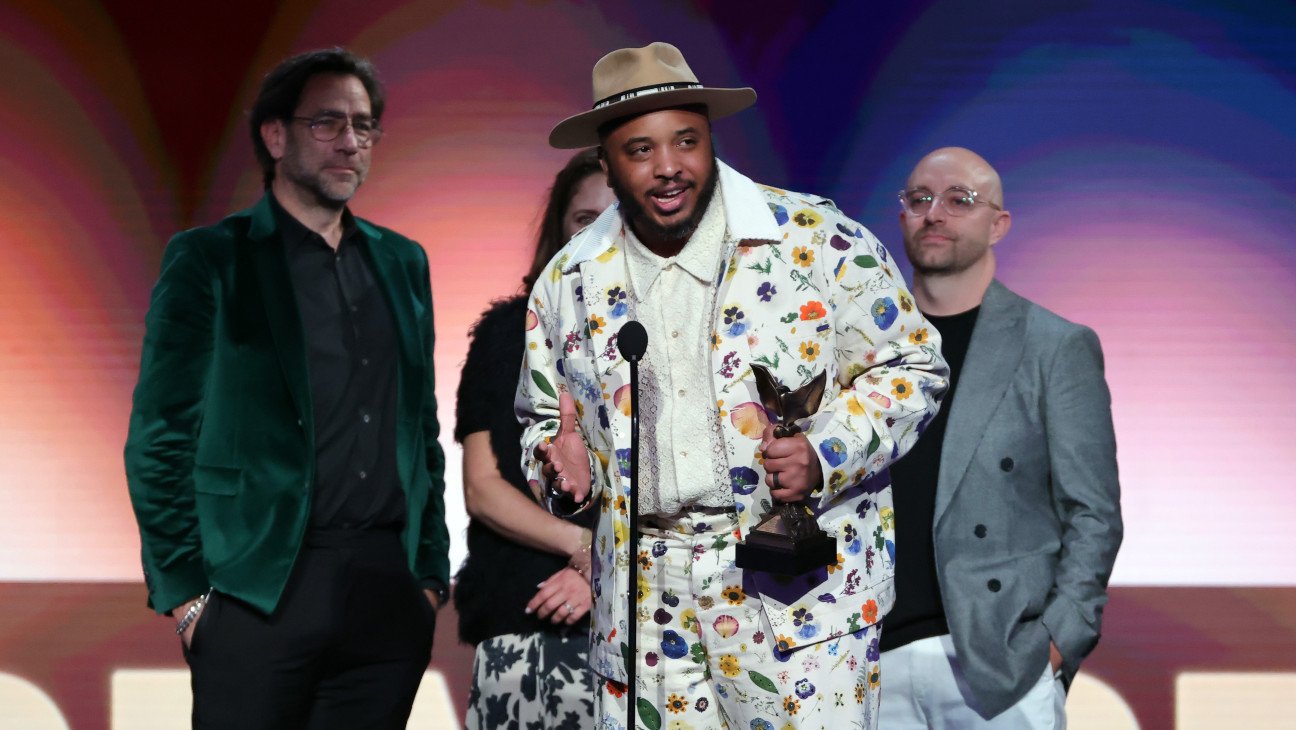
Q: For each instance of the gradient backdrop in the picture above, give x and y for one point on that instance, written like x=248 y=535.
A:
x=1148 y=151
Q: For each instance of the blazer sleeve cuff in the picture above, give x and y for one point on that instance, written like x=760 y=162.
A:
x=1070 y=632
x=182 y=582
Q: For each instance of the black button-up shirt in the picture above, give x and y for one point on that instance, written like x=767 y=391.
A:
x=351 y=350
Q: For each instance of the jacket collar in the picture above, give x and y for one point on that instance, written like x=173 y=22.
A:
x=264 y=225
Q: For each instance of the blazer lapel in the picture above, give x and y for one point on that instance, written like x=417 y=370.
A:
x=992 y=357
x=270 y=263
x=605 y=306
x=389 y=272
x=605 y=298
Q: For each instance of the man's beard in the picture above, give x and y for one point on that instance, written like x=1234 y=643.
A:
x=647 y=228
x=325 y=194
x=937 y=263
x=324 y=191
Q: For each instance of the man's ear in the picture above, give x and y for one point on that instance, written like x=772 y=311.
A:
x=999 y=229
x=275 y=136
x=602 y=158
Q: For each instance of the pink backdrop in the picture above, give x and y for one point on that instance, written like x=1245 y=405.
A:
x=1149 y=197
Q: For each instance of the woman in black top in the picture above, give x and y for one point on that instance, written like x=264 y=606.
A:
x=523 y=595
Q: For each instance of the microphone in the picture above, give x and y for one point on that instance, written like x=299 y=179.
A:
x=632 y=341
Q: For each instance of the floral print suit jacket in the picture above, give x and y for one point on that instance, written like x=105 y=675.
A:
x=802 y=289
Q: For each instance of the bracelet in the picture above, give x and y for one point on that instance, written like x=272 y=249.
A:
x=582 y=554
x=192 y=614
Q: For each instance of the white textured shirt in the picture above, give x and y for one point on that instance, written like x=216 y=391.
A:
x=682 y=456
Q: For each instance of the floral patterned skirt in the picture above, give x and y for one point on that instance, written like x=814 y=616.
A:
x=538 y=681
x=706 y=658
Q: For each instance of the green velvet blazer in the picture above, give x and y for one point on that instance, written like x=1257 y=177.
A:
x=220 y=455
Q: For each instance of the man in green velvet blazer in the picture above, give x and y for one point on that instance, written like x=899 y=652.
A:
x=282 y=456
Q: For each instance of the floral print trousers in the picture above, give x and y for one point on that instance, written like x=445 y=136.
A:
x=706 y=659
x=538 y=681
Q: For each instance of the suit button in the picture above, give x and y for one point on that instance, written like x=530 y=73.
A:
x=979 y=531
x=1006 y=464
x=993 y=585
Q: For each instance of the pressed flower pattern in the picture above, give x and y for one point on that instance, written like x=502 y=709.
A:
x=819 y=297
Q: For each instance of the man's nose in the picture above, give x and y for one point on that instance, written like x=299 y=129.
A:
x=936 y=213
x=347 y=141
x=667 y=166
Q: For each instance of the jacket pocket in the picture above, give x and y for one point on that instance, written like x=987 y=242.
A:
x=221 y=480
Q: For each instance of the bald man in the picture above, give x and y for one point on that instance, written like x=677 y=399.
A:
x=1008 y=509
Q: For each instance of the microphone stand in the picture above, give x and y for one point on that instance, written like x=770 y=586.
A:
x=632 y=341
x=633 y=591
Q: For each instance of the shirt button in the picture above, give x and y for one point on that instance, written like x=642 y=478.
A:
x=1006 y=464
x=365 y=418
x=364 y=475
x=994 y=585
x=364 y=361
x=979 y=531
x=354 y=308
x=674 y=333
x=681 y=392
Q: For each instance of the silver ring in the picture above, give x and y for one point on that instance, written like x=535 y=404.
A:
x=560 y=478
x=569 y=607
x=775 y=474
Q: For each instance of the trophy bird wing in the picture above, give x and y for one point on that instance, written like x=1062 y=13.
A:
x=804 y=401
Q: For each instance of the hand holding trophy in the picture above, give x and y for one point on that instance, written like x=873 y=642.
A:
x=788 y=541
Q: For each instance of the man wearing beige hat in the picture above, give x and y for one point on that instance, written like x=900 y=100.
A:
x=725 y=275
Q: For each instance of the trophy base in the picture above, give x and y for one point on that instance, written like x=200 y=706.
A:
x=780 y=554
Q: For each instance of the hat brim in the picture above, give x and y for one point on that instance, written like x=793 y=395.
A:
x=582 y=130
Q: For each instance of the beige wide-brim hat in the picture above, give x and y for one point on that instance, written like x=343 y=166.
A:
x=634 y=81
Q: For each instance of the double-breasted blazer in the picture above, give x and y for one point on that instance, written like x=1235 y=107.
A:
x=1027 y=517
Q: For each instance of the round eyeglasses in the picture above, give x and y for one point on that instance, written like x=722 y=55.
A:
x=328 y=127
x=956 y=201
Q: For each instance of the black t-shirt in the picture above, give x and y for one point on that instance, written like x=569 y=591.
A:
x=919 y=611
x=500 y=576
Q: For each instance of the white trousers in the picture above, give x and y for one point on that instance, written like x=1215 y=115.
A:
x=706 y=658
x=923 y=686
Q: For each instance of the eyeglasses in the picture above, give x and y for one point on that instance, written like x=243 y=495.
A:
x=328 y=127
x=956 y=201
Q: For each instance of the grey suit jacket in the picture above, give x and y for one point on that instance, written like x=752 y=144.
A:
x=1027 y=519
